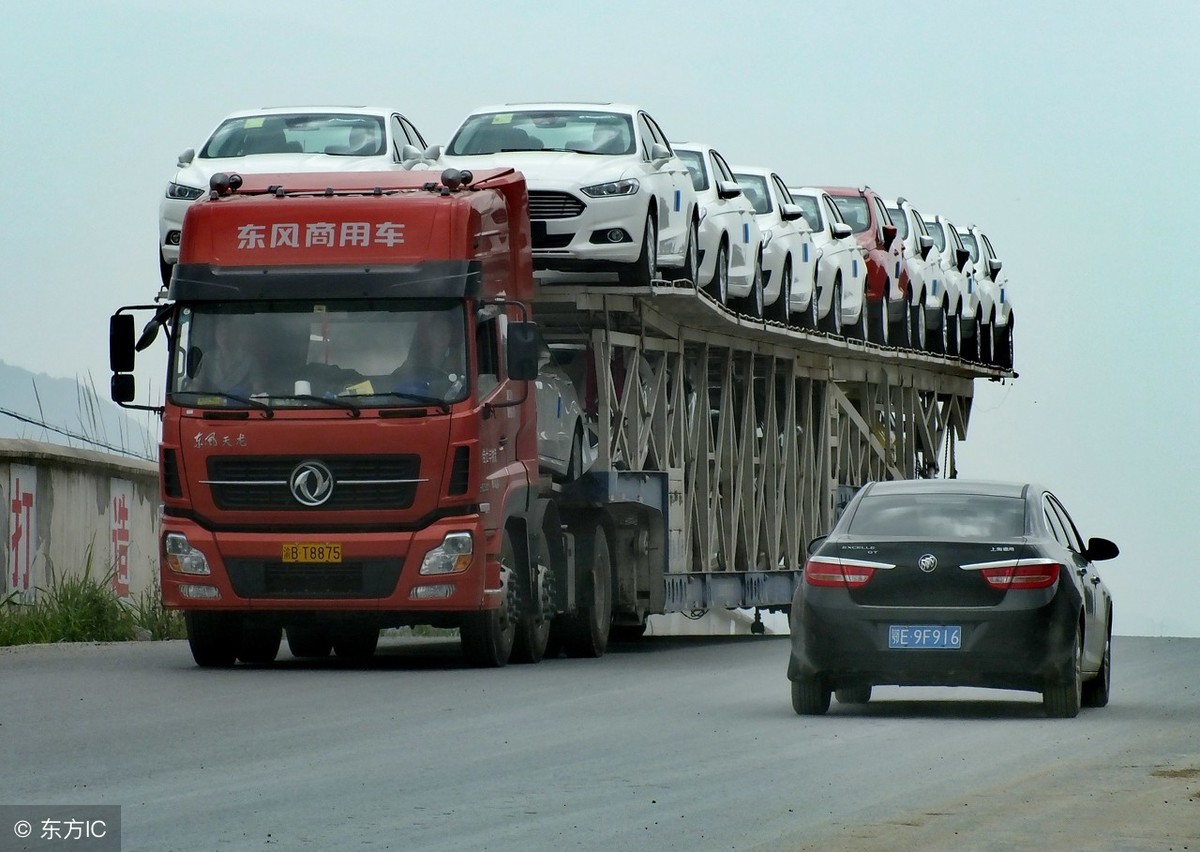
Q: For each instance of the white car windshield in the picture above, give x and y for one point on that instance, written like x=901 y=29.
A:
x=754 y=187
x=812 y=211
x=900 y=221
x=295 y=354
x=854 y=211
x=935 y=231
x=971 y=246
x=582 y=131
x=302 y=133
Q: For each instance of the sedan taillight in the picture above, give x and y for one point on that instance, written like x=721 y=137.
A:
x=842 y=573
x=1023 y=575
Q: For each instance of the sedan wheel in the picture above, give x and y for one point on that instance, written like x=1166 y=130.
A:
x=919 y=328
x=754 y=301
x=1061 y=700
x=781 y=310
x=810 y=697
x=1095 y=691
x=718 y=287
x=645 y=269
x=833 y=319
x=854 y=695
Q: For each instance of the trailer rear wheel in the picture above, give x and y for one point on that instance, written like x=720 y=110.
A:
x=585 y=632
x=537 y=592
x=213 y=637
x=487 y=636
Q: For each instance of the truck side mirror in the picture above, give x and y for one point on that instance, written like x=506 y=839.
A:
x=120 y=343
x=522 y=351
x=122 y=388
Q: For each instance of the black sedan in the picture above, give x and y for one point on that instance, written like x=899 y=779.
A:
x=953 y=583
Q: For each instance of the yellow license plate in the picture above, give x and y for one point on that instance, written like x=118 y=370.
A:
x=312 y=552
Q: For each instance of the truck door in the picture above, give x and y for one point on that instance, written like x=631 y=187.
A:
x=499 y=431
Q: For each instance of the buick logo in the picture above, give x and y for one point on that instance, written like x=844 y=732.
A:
x=927 y=562
x=311 y=483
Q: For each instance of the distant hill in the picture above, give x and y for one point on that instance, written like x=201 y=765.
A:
x=74 y=413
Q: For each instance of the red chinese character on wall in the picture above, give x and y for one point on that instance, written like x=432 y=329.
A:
x=21 y=542
x=120 y=545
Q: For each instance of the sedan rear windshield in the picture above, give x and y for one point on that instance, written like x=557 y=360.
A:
x=939 y=516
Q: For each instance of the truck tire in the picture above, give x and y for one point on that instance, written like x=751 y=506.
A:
x=213 y=637
x=585 y=632
x=259 y=644
x=309 y=641
x=537 y=592
x=355 y=641
x=487 y=636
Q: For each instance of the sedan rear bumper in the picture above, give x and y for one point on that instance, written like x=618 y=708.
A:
x=1007 y=648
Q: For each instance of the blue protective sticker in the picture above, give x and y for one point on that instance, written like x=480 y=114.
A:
x=678 y=200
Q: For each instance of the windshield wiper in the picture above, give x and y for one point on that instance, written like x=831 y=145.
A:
x=335 y=401
x=245 y=400
x=418 y=398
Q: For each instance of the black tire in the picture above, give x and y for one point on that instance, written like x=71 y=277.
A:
x=575 y=464
x=718 y=287
x=213 y=637
x=984 y=336
x=1096 y=691
x=781 y=310
x=1062 y=699
x=952 y=331
x=585 y=632
x=752 y=305
x=810 y=697
x=877 y=321
x=645 y=268
x=935 y=340
x=898 y=331
x=691 y=257
x=536 y=592
x=853 y=695
x=487 y=637
x=832 y=324
x=259 y=643
x=968 y=348
x=164 y=269
x=1002 y=344
x=918 y=330
x=308 y=641
x=626 y=632
x=355 y=641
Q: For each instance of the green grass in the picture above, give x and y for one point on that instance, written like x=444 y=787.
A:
x=85 y=609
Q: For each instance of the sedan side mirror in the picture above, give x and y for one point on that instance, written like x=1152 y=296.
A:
x=1099 y=549
x=925 y=243
x=994 y=265
x=725 y=189
x=185 y=159
x=790 y=212
x=659 y=155
x=961 y=256
x=840 y=230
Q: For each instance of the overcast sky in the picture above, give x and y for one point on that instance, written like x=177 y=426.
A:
x=1068 y=132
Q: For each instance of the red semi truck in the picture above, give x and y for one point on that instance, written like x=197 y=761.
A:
x=356 y=433
x=349 y=441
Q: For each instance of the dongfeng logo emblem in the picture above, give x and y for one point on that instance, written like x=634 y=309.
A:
x=927 y=562
x=311 y=483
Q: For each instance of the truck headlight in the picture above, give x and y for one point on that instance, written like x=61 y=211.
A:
x=452 y=556
x=627 y=186
x=182 y=558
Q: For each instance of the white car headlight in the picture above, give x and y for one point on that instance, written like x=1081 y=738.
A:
x=183 y=192
x=627 y=186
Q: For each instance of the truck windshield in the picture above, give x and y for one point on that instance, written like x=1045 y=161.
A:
x=348 y=354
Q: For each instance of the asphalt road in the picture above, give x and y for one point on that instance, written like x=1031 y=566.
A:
x=687 y=744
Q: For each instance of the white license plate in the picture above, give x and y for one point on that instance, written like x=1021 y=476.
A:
x=924 y=636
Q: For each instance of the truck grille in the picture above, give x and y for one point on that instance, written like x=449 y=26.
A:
x=554 y=205
x=368 y=578
x=359 y=482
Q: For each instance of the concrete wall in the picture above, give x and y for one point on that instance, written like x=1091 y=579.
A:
x=68 y=510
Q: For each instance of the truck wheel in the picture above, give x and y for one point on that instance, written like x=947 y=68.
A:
x=355 y=642
x=810 y=697
x=309 y=642
x=537 y=597
x=259 y=643
x=487 y=637
x=213 y=637
x=585 y=631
